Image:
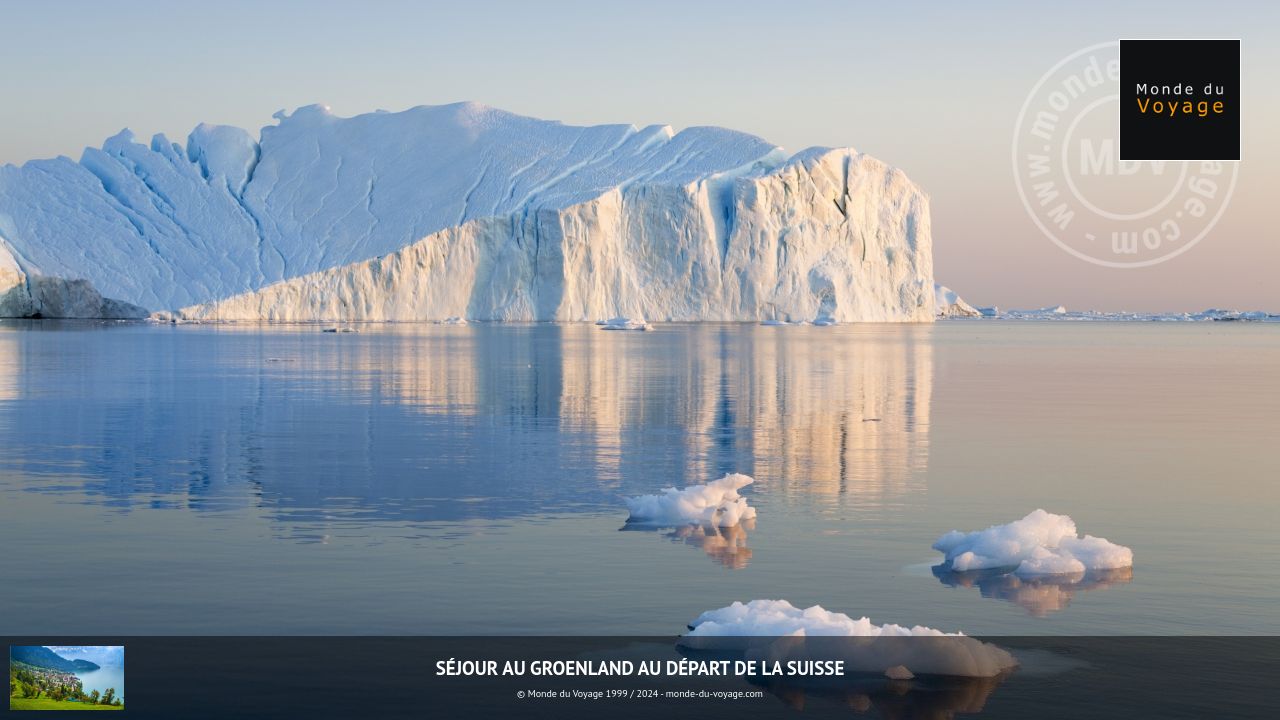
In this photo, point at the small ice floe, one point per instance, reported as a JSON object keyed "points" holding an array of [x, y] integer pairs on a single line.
{"points": [[775, 631], [1041, 543], [623, 323], [340, 329], [824, 322], [714, 504], [453, 321]]}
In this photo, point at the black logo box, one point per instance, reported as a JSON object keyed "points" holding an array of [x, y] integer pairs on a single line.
{"points": [[1187, 68]]}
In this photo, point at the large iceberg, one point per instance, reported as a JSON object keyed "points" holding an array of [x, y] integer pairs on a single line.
{"points": [[471, 212]]}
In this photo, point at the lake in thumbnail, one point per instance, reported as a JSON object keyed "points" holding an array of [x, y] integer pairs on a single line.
{"points": [[414, 479]]}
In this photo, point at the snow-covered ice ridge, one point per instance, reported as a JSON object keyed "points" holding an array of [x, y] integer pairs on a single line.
{"points": [[468, 211]]}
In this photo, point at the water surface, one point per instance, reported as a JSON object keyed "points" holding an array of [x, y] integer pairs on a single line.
{"points": [[103, 678], [431, 479]]}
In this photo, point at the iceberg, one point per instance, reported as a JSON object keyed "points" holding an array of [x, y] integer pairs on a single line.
{"points": [[714, 504], [1041, 543], [622, 323], [1060, 313], [1219, 315], [951, 305], [1045, 313], [777, 630], [471, 212]]}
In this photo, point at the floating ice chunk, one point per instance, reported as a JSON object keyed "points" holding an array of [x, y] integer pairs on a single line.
{"points": [[776, 629], [1041, 543], [1060, 313], [339, 330], [622, 323], [824, 322], [1050, 311], [715, 504], [454, 321], [899, 672], [1233, 315], [776, 618], [784, 323], [950, 305]]}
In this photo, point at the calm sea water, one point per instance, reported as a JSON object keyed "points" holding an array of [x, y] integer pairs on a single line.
{"points": [[455, 480]]}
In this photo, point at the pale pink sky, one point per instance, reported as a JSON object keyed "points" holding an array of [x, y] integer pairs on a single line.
{"points": [[934, 90]]}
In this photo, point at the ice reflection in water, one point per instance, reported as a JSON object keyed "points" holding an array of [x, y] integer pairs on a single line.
{"points": [[725, 545], [933, 698], [327, 435], [1039, 596], [960, 679]]}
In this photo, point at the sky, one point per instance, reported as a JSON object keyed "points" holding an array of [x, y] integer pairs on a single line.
{"points": [[934, 89]]}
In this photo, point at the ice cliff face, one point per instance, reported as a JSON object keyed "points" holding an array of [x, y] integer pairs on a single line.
{"points": [[466, 211]]}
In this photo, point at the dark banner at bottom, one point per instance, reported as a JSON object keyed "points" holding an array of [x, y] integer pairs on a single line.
{"points": [[706, 677]]}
